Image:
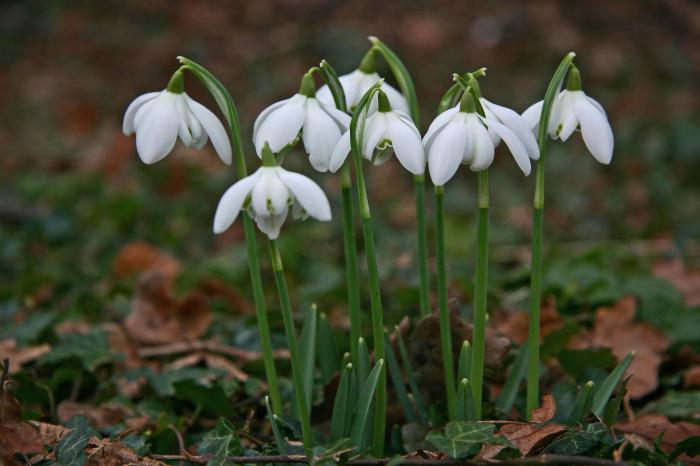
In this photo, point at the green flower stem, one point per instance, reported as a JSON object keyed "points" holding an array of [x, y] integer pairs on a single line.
{"points": [[445, 328], [225, 102], [297, 379], [480, 289], [533, 341], [419, 184], [351, 273]]}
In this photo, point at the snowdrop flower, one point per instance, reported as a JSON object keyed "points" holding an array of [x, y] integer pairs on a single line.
{"points": [[572, 109], [357, 83], [268, 194], [321, 126], [386, 130], [158, 118], [461, 135]]}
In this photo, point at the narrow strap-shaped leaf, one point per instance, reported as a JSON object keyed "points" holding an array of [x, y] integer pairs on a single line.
{"points": [[362, 362], [465, 361], [412, 382], [397, 380], [223, 99], [506, 398], [364, 402], [326, 350], [402, 76], [330, 77], [612, 409], [582, 405], [463, 401], [607, 387], [343, 405], [279, 441], [307, 348]]}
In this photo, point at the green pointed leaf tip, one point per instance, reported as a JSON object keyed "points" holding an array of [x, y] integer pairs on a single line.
{"points": [[582, 405], [221, 442], [343, 405], [364, 402], [607, 387], [462, 438], [330, 77]]}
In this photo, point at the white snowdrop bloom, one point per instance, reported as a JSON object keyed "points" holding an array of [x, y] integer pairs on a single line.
{"points": [[357, 83], [268, 195], [158, 118], [321, 125], [573, 109], [460, 135], [386, 131], [513, 121]]}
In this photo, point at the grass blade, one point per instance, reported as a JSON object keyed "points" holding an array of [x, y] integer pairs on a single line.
{"points": [[397, 381], [307, 349], [465, 361], [326, 350], [364, 402], [415, 391], [607, 387], [343, 405], [281, 446], [505, 400], [582, 404]]}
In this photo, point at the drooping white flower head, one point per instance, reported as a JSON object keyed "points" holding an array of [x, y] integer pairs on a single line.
{"points": [[321, 125], [158, 118], [460, 135], [268, 194], [357, 83], [573, 109], [385, 131]]}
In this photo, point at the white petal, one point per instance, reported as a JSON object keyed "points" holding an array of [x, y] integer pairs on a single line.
{"points": [[320, 134], [532, 115], [374, 133], [517, 124], [156, 130], [595, 129], [340, 153], [438, 123], [514, 144], [570, 120], [231, 202], [264, 114], [282, 125], [483, 147], [270, 195], [407, 144], [307, 193], [396, 99], [597, 105], [556, 115], [446, 151], [342, 119], [134, 106], [213, 127], [271, 224]]}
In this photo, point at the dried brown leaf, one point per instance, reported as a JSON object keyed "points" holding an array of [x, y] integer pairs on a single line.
{"points": [[16, 435], [21, 356], [615, 328], [108, 453], [652, 426], [138, 257], [686, 281], [515, 325]]}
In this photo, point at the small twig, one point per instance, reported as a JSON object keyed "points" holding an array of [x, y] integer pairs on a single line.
{"points": [[180, 442], [211, 346], [298, 459]]}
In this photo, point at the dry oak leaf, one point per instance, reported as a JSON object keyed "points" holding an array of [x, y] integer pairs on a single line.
{"points": [[157, 317], [652, 426], [20, 356], [528, 437], [686, 281], [109, 453], [138, 257], [515, 325], [50, 434], [615, 328], [100, 417], [16, 435]]}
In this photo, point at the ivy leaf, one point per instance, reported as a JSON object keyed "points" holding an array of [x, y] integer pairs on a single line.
{"points": [[91, 349], [69, 451], [575, 442], [221, 442], [689, 446], [461, 439]]}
